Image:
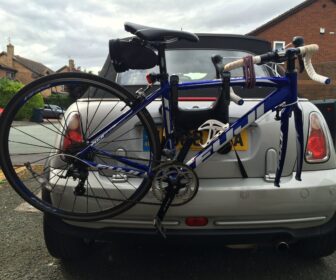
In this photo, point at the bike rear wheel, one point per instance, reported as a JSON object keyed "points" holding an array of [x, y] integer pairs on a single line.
{"points": [[41, 156]]}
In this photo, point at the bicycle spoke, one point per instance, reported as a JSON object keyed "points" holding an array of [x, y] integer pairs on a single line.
{"points": [[133, 158], [80, 118], [104, 118], [42, 148], [87, 115], [101, 184], [122, 140], [59, 202], [57, 132], [54, 185], [28, 144], [34, 138], [94, 196], [41, 159], [95, 112], [111, 141], [74, 203], [44, 173], [64, 128], [27, 154]]}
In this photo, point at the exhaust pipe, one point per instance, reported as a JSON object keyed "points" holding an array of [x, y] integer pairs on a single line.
{"points": [[282, 246]]}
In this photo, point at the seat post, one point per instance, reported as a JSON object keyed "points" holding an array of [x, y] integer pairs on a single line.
{"points": [[162, 64]]}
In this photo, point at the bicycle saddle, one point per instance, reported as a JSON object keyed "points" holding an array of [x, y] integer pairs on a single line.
{"points": [[157, 34]]}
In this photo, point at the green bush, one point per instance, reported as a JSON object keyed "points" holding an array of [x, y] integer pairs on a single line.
{"points": [[26, 111], [9, 88]]}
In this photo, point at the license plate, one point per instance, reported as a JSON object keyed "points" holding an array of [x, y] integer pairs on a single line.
{"points": [[240, 141]]}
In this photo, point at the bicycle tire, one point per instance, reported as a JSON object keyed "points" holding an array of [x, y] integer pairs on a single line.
{"points": [[10, 154]]}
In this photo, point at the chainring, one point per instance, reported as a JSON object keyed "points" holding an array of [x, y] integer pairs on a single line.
{"points": [[187, 177]]}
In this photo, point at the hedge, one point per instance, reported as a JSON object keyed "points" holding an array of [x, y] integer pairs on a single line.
{"points": [[60, 99], [9, 88]]}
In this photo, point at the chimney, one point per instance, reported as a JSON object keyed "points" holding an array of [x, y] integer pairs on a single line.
{"points": [[10, 55], [71, 65]]}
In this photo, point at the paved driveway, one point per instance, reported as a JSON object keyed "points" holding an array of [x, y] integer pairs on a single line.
{"points": [[24, 256]]}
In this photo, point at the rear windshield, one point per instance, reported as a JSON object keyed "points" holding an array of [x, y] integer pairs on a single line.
{"points": [[189, 65]]}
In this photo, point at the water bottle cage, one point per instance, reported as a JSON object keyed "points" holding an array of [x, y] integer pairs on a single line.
{"points": [[214, 128]]}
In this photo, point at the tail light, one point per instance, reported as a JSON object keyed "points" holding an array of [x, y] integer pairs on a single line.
{"points": [[73, 133], [317, 149]]}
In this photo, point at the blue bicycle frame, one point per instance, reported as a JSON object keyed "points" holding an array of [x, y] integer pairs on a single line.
{"points": [[284, 98]]}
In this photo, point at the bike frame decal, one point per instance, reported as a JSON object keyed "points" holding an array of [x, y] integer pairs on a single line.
{"points": [[255, 113]]}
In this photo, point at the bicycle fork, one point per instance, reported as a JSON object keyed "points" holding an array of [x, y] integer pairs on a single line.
{"points": [[285, 115]]}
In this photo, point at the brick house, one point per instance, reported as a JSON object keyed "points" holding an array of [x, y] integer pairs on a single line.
{"points": [[69, 68], [315, 20], [7, 72], [20, 68]]}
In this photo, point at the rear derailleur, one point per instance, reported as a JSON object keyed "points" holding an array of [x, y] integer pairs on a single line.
{"points": [[81, 173]]}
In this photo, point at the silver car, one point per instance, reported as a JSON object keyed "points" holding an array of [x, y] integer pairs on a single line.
{"points": [[298, 215]]}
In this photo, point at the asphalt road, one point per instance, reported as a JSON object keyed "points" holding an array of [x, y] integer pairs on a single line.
{"points": [[23, 256]]}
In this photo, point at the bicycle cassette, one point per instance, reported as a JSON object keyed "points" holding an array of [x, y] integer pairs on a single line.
{"points": [[187, 178]]}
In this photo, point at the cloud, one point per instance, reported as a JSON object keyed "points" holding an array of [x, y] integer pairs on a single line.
{"points": [[51, 31]]}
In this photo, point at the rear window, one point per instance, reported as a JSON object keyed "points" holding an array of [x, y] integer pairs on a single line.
{"points": [[189, 65]]}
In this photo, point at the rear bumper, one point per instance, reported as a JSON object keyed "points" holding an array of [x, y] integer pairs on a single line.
{"points": [[248, 211], [243, 211], [242, 204], [225, 236]]}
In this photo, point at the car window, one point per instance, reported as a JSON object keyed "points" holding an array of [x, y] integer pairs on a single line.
{"points": [[189, 65]]}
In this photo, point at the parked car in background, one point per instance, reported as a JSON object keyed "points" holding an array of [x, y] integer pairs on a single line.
{"points": [[228, 208], [51, 111]]}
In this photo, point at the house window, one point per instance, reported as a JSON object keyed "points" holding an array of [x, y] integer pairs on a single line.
{"points": [[10, 75], [278, 45]]}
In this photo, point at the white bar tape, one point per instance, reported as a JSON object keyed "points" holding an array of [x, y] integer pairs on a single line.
{"points": [[239, 63], [236, 98], [308, 51]]}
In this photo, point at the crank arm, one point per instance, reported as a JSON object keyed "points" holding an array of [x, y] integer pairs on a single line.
{"points": [[166, 203]]}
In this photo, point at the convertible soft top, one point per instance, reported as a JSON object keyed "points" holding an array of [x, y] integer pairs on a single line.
{"points": [[207, 41]]}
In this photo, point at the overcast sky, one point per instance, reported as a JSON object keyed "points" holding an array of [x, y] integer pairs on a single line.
{"points": [[52, 31]]}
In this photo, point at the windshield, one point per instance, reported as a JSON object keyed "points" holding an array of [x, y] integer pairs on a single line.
{"points": [[189, 65]]}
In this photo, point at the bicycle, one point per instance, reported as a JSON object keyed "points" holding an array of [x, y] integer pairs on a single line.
{"points": [[82, 156]]}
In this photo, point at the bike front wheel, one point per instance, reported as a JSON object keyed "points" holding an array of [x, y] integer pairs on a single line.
{"points": [[42, 157]]}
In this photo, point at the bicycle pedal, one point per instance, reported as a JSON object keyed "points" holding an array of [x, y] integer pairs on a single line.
{"points": [[158, 224], [214, 128]]}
